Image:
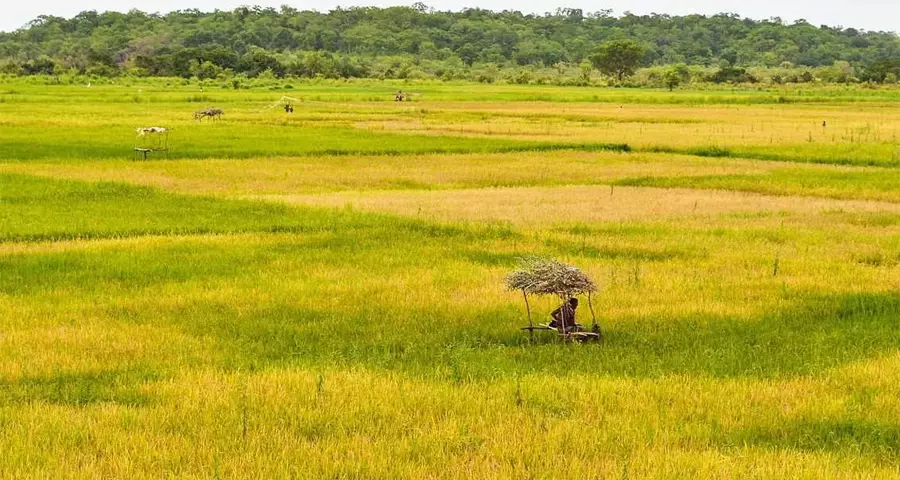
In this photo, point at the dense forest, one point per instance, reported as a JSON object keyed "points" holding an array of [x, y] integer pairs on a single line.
{"points": [[411, 42]]}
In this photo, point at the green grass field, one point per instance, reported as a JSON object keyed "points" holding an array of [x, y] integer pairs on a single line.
{"points": [[322, 295]]}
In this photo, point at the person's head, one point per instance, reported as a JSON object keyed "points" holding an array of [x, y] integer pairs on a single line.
{"points": [[573, 302]]}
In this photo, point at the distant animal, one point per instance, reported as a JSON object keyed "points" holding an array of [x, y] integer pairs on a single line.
{"points": [[288, 108], [213, 113], [400, 96]]}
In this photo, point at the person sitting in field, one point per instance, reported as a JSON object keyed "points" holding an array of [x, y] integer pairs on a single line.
{"points": [[565, 316]]}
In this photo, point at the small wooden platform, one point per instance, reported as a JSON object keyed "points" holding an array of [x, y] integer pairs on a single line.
{"points": [[538, 327], [577, 336], [144, 152], [583, 336]]}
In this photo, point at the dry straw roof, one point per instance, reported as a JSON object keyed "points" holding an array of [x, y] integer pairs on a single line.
{"points": [[544, 276]]}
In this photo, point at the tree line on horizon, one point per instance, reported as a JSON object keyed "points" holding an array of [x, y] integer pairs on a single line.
{"points": [[418, 42]]}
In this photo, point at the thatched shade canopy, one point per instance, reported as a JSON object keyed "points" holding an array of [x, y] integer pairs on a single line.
{"points": [[543, 276]]}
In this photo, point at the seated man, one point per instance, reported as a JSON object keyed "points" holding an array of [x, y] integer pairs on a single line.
{"points": [[565, 316]]}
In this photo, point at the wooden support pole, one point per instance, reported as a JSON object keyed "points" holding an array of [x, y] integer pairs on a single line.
{"points": [[596, 326], [528, 308]]}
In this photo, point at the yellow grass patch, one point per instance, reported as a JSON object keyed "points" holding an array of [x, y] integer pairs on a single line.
{"points": [[543, 206], [656, 125], [391, 426], [317, 174]]}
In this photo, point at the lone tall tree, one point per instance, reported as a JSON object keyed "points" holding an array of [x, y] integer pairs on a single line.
{"points": [[619, 58]]}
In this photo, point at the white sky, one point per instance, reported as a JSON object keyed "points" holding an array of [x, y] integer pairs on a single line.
{"points": [[862, 14]]}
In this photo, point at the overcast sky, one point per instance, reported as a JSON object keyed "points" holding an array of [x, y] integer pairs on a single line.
{"points": [[862, 14]]}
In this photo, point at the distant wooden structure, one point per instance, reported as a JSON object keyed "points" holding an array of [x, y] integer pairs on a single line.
{"points": [[541, 276], [402, 96], [287, 103], [151, 140]]}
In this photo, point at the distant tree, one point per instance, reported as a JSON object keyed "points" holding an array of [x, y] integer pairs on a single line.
{"points": [[205, 70], [879, 70], [618, 58], [672, 79], [257, 62], [43, 65], [585, 68], [730, 74], [683, 72]]}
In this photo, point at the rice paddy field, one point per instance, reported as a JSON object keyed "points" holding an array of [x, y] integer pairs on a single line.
{"points": [[321, 294]]}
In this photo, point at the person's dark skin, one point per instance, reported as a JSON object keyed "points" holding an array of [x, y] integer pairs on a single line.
{"points": [[565, 314]]}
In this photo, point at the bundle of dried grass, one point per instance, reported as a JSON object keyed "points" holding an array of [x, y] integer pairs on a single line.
{"points": [[142, 131], [283, 101], [545, 276]]}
